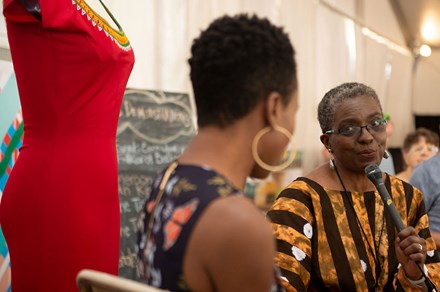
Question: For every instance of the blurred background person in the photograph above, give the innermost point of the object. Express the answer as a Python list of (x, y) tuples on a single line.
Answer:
[(198, 231), (418, 146), (387, 164), (425, 177), (331, 226)]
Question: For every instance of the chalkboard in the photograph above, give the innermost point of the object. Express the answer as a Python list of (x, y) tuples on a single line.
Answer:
[(154, 128)]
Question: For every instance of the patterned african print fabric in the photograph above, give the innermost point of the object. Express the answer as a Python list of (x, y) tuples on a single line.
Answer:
[(116, 35), (9, 149), (188, 192), (320, 245)]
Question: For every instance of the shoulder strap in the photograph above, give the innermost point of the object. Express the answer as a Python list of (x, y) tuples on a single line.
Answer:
[(163, 182), (33, 7)]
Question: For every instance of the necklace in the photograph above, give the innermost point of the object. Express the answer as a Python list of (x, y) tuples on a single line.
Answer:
[(374, 253)]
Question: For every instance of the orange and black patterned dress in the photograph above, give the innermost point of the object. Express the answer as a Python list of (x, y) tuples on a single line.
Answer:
[(323, 245)]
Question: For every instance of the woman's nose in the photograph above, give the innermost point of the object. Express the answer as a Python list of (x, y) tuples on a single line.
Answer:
[(365, 134)]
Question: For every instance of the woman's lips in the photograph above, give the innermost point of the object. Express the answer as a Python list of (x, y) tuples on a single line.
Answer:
[(367, 153)]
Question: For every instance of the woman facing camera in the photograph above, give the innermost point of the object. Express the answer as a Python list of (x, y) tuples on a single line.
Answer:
[(418, 146), (198, 232), (332, 228)]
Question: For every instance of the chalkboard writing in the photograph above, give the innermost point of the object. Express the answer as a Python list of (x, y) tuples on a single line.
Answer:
[(154, 128)]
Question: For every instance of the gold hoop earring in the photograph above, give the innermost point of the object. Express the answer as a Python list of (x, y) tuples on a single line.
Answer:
[(260, 162)]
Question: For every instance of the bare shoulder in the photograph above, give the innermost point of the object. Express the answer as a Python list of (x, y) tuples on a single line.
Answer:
[(231, 248), (236, 210), (237, 222), (319, 174), (324, 176)]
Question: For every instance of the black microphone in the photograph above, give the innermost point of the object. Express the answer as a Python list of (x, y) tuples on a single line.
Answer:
[(374, 174)]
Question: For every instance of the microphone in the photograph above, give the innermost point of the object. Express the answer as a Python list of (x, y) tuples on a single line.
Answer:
[(374, 174)]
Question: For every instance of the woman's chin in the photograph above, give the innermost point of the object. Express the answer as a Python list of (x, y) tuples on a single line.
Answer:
[(372, 159)]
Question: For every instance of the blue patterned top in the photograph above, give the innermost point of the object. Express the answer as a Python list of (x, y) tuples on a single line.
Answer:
[(165, 227)]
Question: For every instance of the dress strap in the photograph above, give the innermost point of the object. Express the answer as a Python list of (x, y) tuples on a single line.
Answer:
[(33, 7)]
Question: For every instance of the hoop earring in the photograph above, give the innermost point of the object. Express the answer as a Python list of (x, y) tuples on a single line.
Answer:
[(260, 162)]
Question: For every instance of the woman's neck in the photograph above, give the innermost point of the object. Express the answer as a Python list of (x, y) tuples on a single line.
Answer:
[(406, 174), (353, 181), (228, 156)]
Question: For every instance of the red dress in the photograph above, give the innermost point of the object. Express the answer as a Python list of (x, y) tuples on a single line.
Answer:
[(60, 208)]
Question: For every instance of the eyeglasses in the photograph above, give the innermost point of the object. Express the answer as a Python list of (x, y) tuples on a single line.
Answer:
[(376, 126), (428, 149)]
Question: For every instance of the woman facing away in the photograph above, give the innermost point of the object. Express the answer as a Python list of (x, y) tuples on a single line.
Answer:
[(332, 229), (198, 231), (418, 146), (60, 209)]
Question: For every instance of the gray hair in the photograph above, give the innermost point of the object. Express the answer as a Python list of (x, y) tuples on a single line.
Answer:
[(328, 104)]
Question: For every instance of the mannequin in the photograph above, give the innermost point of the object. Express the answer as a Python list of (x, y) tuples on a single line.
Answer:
[(57, 215), (34, 8)]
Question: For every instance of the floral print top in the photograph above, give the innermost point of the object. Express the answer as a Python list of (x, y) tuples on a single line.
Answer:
[(166, 223)]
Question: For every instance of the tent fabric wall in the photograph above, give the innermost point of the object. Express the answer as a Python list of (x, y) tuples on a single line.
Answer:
[(426, 92), (327, 35), (3, 36)]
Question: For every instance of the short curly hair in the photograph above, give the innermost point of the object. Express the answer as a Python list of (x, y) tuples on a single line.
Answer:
[(235, 63), (414, 137), (328, 104)]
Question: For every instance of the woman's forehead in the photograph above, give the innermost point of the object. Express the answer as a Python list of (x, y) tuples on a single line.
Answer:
[(357, 108), (420, 140)]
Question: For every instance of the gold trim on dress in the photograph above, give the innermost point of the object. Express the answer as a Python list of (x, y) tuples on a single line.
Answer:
[(118, 36)]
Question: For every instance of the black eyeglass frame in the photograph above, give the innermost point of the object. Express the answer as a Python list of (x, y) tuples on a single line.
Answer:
[(369, 126)]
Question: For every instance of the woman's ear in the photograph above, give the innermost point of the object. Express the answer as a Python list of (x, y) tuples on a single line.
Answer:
[(273, 107), (405, 157), (325, 141)]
